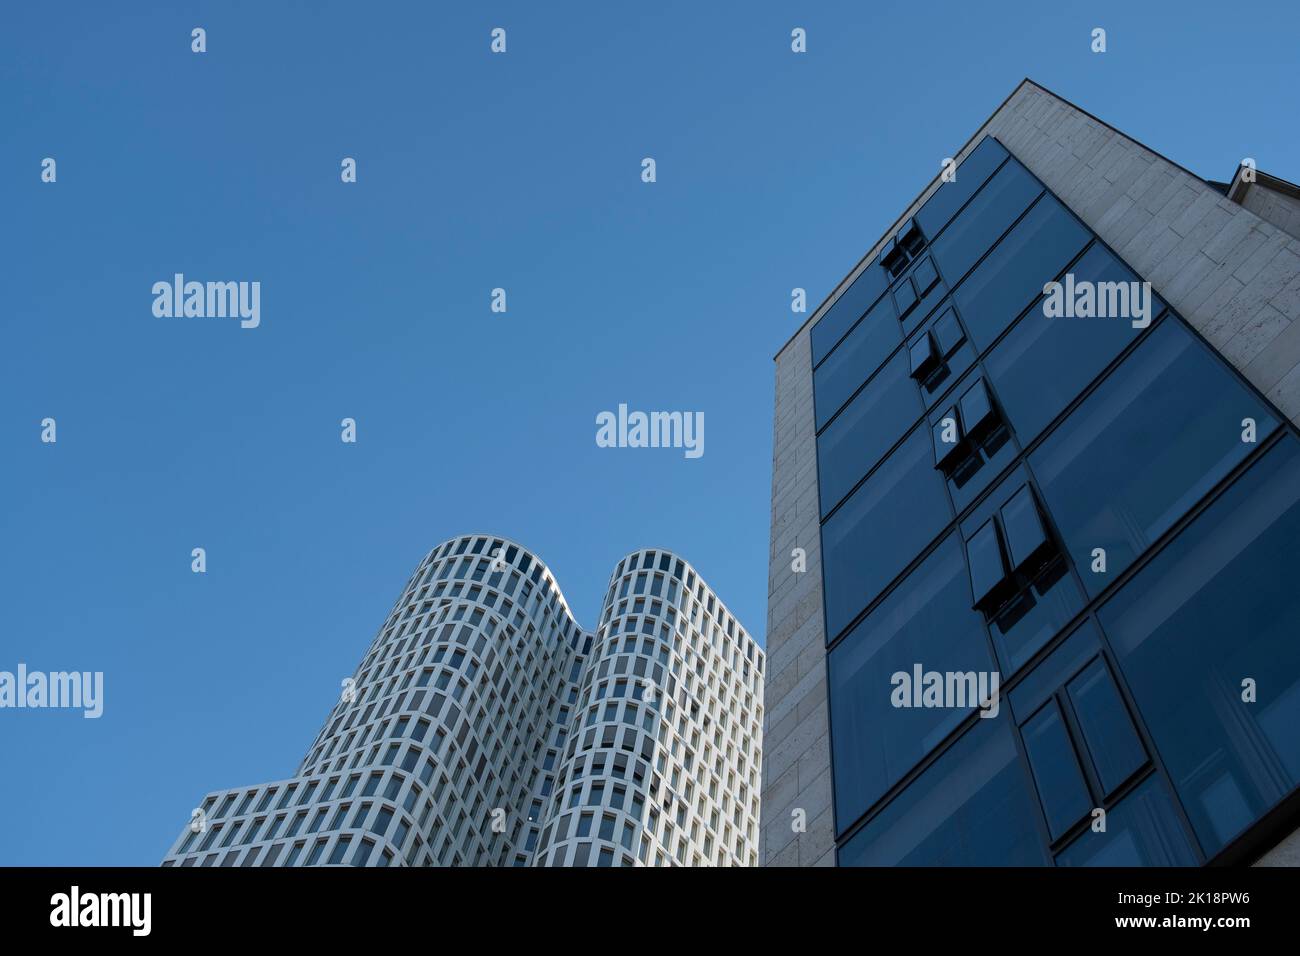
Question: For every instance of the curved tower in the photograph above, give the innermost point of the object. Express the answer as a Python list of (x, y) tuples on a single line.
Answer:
[(485, 727), (664, 752)]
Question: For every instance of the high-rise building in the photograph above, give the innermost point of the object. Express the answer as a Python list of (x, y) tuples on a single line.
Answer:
[(485, 726), (1050, 517)]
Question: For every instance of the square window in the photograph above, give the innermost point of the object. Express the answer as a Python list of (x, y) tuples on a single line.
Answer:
[(363, 853), (905, 297), (1027, 539), (1061, 788), (947, 332), (947, 436), (340, 849), (977, 414), (1108, 731), (910, 239), (988, 566), (892, 257), (925, 276), (1042, 595), (382, 819), (924, 356)]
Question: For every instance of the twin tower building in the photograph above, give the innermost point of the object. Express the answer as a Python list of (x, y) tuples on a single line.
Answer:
[(486, 727)]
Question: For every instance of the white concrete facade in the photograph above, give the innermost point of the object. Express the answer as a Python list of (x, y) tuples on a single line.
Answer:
[(486, 727)]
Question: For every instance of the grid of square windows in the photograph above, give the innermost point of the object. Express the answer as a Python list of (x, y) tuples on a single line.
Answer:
[(481, 701)]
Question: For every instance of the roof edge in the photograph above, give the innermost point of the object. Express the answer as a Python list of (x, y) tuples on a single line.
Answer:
[(834, 293), (1239, 185), (843, 283)]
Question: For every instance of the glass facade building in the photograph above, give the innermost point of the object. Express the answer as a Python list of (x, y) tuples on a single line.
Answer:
[(1097, 511)]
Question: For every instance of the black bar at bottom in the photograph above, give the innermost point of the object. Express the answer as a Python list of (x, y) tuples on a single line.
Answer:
[(336, 903)]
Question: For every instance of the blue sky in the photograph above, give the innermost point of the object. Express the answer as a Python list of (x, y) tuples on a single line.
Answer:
[(475, 171)]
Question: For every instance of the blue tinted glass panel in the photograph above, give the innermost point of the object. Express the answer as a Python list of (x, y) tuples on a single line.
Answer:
[(881, 528), (868, 427), (924, 276), (1217, 606), (997, 206), (977, 464), (926, 620), (1043, 363), (1035, 616), (947, 332), (924, 356), (940, 381), (1108, 732), (848, 308), (1026, 536), (926, 307), (949, 358), (1157, 434), (1143, 830), (971, 174), (976, 409), (1047, 677), (1032, 254), (967, 483), (858, 356), (971, 807), (945, 433), (988, 568), (1061, 790), (905, 296)]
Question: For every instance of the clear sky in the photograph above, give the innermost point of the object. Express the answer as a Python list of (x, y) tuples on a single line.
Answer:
[(475, 171)]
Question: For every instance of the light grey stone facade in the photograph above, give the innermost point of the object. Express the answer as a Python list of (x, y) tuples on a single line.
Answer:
[(1275, 201), (1231, 274), (796, 733), (1232, 270)]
